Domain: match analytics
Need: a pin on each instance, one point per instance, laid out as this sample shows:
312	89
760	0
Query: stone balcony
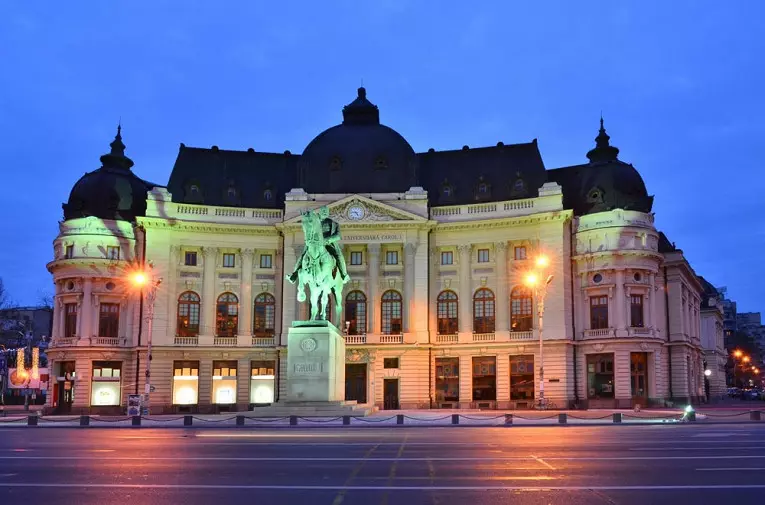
65	341
599	333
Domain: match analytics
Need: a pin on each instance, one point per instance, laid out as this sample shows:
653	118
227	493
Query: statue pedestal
315	363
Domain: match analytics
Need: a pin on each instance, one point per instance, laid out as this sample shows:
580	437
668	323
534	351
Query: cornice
543	217
202	227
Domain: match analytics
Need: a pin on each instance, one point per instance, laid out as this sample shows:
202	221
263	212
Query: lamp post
537	280
146	279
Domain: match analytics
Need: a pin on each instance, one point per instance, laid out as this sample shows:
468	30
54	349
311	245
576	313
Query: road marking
341	495
715	435
741	469
357	458
330	487
743	448
8	474
543	462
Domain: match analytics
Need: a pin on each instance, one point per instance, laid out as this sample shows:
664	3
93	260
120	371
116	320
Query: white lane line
740	469
743	448
542	462
393	458
8	475
336	487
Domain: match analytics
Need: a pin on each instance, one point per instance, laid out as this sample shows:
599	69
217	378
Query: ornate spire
603	151
116	158
361	110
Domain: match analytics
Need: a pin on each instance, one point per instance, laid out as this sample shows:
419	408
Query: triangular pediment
360	209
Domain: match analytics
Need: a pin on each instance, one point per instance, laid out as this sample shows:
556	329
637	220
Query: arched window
356	313
188	315
267	195
227	315
447	313
265	309
483	311
483	188
521	313
391	313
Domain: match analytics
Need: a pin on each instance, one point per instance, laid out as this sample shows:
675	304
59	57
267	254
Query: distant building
751	324
438	245
712	338
20	323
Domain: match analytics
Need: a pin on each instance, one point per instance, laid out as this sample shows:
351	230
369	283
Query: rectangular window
600	376
224	382
185	382
112	252
390	362
520	253
356	258
70	320
447	257
598	312
522	377
483	255
105	387
265	261
636	311
484	378
190	259
262	382
447	380
391	258
69	254
109	320
229	260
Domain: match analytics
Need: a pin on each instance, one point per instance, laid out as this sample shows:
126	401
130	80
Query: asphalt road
701	464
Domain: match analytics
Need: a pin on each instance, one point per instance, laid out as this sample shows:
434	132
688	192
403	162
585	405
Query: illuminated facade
437	245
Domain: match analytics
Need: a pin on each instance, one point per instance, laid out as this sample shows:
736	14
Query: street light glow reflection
531	279
139	278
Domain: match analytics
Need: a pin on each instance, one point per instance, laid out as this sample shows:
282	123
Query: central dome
358	154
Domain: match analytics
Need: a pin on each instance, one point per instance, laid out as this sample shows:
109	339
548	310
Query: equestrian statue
321	265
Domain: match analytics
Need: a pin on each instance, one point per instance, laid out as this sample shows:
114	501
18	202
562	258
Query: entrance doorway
356	382
390	394
63	387
639	377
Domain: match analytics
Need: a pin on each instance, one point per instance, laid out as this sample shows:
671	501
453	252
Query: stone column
245	303
465	291
651	302
409	312
421	279
58	324
503	302
172	295
207	329
373	304
85	316
433	279
289	302
278	295
620	324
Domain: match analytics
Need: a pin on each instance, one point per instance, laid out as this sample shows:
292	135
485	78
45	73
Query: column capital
500	246
465	248
410	248
209	252
374	248
247	252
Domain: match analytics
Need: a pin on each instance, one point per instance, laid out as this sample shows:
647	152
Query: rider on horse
331	233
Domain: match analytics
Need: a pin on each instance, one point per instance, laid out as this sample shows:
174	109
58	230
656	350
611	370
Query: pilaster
466	292
373	307
246	302
502	305
207	323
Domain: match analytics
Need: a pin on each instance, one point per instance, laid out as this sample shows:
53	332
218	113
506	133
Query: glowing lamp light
139	278
532	279
707	372
688	409
756	370
35	363
746	359
543	261
737	353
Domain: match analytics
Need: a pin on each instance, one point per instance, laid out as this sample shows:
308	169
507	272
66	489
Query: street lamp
146	279
534	282
737	353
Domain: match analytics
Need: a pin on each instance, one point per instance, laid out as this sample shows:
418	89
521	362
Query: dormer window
483	188
519	186
595	195
446	191
194	193
381	163
194	190
335	163
267	195
231	193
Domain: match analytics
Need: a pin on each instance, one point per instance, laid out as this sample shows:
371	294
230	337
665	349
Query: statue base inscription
315	362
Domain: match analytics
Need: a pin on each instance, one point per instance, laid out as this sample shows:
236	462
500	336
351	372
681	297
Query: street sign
134	405
152	389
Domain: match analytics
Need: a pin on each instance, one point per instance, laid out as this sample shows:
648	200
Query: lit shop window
105	388
224	382
185	382
262	382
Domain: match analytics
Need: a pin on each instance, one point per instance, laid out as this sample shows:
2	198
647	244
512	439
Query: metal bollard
399	418
562	418
293	420
240	420
455	419
84	420
617	417
690	416
508	419
136	421
31	420
754	415
346	420
187	420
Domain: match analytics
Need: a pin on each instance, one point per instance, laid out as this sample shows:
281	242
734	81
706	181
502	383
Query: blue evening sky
680	84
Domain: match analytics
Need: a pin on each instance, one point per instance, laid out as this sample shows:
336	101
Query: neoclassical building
438	245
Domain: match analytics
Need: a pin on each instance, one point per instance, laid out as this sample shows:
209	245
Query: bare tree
45	300
5	301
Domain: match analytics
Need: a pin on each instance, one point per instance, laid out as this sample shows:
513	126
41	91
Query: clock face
355	212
